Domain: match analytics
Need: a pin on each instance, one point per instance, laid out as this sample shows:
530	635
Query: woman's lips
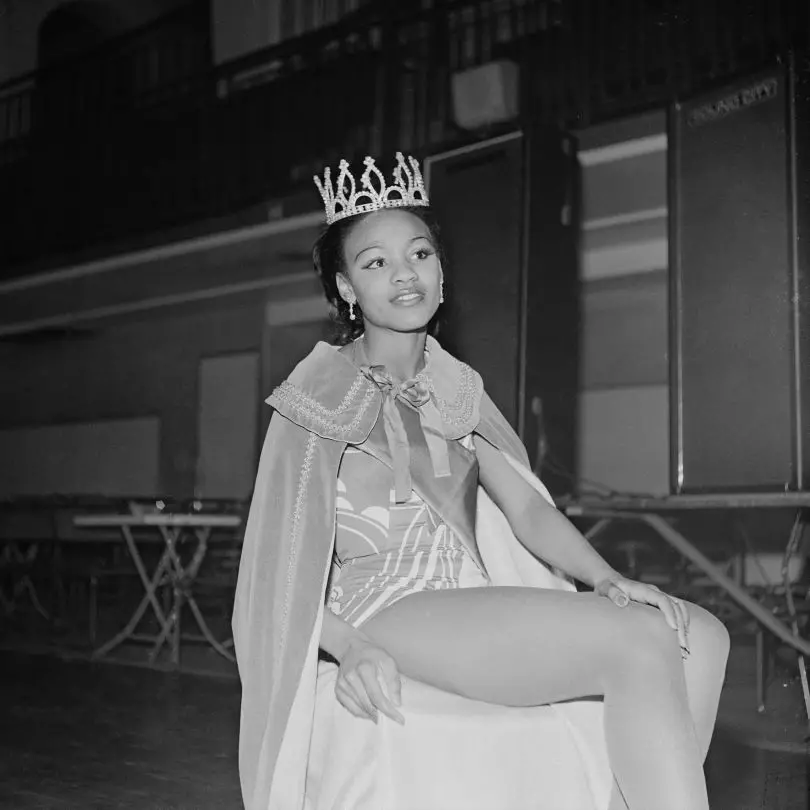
408	298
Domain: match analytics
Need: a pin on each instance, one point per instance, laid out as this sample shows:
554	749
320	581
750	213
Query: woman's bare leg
705	672
527	646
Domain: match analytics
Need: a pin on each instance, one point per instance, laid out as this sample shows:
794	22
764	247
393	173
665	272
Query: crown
344	200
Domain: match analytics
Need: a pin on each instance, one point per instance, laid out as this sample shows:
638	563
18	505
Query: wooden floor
80	736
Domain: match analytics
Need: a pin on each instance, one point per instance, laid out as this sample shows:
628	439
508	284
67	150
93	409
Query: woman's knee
707	633
646	643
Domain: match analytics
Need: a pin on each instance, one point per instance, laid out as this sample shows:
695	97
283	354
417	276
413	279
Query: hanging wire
792	546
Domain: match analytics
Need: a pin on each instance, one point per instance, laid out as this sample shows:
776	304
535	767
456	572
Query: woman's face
392	270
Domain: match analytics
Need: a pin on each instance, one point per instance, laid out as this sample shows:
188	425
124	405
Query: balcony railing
148	134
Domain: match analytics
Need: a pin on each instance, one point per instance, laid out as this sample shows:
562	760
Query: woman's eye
375	264
423	253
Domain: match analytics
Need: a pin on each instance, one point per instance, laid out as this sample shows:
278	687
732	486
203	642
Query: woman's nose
404	271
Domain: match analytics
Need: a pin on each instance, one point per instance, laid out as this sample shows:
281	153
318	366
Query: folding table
170	530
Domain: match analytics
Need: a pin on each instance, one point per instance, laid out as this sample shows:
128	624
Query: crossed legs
527	646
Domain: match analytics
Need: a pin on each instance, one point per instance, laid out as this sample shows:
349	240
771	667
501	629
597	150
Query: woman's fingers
653	595
367	685
673	615
683	615
613	592
674	611
617	596
375	687
358	688
347	699
369	681
392	683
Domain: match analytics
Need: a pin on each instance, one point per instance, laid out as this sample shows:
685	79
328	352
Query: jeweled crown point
344	199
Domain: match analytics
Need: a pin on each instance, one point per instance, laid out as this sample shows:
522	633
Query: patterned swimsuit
385	550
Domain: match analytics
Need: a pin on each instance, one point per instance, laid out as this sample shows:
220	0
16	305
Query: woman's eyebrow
368	247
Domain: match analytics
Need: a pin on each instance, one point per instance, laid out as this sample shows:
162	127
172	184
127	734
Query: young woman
373	462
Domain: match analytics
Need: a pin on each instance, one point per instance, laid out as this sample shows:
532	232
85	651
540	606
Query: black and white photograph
404	404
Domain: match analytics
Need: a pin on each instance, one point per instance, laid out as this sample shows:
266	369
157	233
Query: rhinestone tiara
345	200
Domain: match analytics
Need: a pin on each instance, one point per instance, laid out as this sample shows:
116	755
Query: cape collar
329	396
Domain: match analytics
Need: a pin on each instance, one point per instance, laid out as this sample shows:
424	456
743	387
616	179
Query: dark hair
329	260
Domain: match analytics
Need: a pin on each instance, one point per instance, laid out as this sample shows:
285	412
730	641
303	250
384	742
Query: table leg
184	577
177	615
13	555
206	631
150	586
28	585
199	556
174	568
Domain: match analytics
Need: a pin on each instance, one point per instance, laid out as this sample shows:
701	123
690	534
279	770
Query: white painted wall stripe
624	150
623	260
72	318
630	218
163	252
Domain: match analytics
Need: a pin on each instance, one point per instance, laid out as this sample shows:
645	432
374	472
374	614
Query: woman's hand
368	681
621	591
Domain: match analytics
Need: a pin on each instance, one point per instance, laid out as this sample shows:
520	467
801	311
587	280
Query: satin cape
326	404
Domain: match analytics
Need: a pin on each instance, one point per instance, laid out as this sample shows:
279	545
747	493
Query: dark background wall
146	367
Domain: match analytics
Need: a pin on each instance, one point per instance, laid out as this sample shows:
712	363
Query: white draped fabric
454	753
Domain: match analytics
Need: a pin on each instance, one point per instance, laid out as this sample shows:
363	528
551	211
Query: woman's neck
403	355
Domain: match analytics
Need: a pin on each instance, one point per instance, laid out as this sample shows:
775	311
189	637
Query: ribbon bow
415	393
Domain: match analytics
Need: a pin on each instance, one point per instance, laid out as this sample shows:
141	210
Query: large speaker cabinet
740	325
507	211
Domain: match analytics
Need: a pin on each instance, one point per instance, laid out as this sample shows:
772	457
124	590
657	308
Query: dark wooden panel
738	404
552	302
477	195
508	210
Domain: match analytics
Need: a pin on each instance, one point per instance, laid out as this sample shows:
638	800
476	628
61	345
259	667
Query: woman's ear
345	289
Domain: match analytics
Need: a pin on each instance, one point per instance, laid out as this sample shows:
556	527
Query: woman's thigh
521	646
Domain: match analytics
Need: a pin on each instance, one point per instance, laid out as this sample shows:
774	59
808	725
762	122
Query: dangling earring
351	311
441	290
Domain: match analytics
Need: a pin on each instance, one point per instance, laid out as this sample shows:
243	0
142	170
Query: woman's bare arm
368	680
543	530
338	636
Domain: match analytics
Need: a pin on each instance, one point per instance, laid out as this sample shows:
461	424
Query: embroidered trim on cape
460	410
295	531
325	417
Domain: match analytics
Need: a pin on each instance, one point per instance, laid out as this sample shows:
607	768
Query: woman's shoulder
320	357
465	405
327	394
457	389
